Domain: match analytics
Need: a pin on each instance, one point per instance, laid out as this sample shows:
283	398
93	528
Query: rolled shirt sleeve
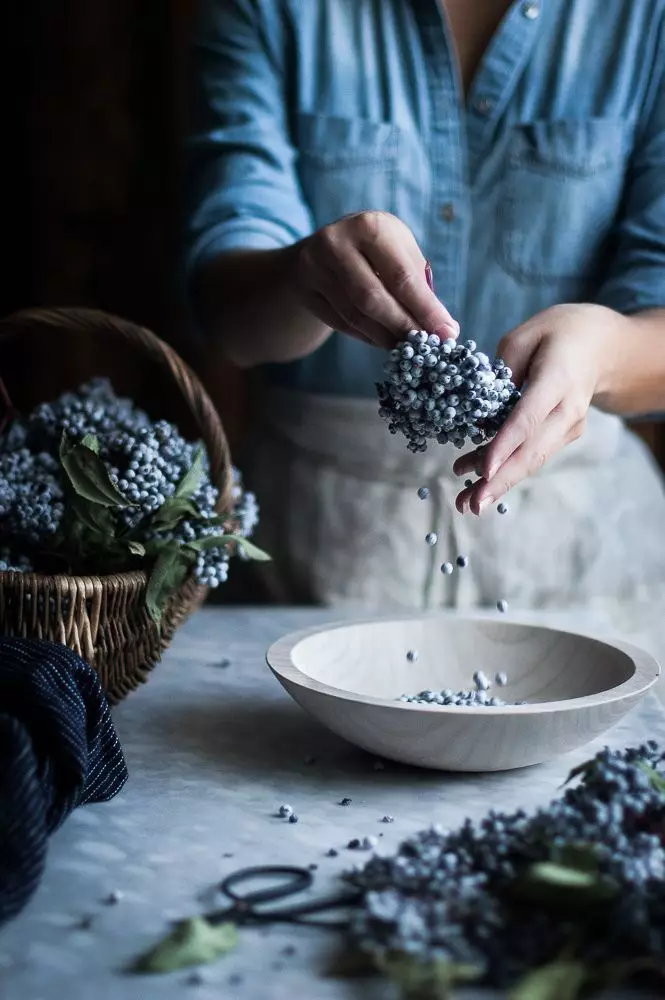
635	280
242	190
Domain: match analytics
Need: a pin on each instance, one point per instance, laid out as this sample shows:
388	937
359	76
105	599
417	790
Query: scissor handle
296	880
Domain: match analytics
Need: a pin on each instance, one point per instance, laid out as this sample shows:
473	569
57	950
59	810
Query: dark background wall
93	100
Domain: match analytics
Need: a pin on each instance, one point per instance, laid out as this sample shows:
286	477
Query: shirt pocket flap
574	148
335	142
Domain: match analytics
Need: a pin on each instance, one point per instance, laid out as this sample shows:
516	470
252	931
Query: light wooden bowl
349	675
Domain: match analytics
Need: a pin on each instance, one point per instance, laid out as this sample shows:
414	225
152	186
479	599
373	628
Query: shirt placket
447	228
460	136
498	76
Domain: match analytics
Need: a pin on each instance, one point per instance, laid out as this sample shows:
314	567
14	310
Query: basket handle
95	322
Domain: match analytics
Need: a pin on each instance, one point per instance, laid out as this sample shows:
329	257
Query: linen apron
342	519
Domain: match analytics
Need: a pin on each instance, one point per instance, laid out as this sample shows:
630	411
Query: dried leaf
581	769
167	574
136	548
88	476
561	980
192	942
191	481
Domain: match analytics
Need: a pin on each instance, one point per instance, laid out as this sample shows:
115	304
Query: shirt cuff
237	234
641	294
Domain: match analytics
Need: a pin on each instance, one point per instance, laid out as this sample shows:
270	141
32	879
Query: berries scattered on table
412	655
502	508
345	802
502	606
462	561
293	818
431	538
447	568
285	811
423	492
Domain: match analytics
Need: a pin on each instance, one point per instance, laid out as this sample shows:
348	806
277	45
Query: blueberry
446	568
502	508
293	818
423	492
502	606
462	561
412	655
431	538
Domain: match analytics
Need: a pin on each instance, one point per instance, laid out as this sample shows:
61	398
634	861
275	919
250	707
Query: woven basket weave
104	618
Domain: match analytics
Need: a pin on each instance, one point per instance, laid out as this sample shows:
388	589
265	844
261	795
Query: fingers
535	406
370	271
321	307
404	277
556	432
518	349
362	299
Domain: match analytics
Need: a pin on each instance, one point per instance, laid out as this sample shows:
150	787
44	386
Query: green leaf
88	476
351	963
96	519
192	942
167	574
425	980
251	551
136	548
173	511
191	481
579	857
548	882
217	541
657	779
561	980
90	441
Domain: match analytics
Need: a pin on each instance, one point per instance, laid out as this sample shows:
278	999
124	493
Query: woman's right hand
365	276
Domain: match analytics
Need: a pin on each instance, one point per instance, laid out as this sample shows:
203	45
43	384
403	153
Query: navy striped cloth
58	750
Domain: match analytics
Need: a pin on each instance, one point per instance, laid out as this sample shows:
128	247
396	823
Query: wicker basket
104	618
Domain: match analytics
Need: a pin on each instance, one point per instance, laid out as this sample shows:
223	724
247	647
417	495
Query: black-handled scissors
286	880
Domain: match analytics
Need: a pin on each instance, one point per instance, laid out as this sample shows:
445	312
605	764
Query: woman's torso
512	192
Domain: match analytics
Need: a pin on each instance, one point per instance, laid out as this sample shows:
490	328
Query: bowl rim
646	668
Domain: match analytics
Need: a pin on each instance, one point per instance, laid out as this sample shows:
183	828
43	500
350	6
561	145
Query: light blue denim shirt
546	185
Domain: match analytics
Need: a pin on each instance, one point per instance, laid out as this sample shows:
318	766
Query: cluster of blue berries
444	391
145	459
452	896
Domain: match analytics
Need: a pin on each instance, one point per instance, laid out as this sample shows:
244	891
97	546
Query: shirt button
531	10
448	212
484	106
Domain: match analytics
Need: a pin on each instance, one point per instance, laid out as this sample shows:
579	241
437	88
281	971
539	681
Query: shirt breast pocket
560	195
348	165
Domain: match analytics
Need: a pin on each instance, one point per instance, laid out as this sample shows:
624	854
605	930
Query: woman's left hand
564	355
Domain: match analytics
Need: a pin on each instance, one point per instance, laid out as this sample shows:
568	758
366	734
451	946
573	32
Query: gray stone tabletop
213	751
